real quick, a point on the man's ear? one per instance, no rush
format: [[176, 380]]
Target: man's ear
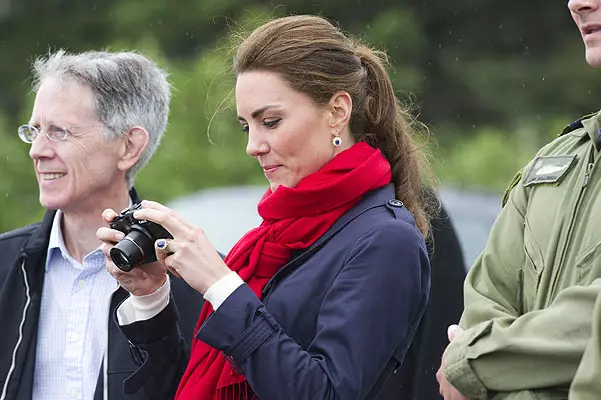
[[341, 108], [135, 141]]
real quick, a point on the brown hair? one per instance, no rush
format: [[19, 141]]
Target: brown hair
[[316, 58]]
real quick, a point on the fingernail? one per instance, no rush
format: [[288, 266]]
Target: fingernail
[[452, 328], [119, 235], [161, 244]]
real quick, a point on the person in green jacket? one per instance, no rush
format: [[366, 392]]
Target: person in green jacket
[[587, 383], [529, 297]]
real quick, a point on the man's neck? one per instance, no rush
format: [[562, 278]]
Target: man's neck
[[79, 226]]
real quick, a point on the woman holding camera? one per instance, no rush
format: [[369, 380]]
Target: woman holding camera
[[320, 301]]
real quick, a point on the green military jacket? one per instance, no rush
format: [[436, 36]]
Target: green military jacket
[[529, 297], [587, 382]]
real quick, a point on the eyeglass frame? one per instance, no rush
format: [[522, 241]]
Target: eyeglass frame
[[66, 132]]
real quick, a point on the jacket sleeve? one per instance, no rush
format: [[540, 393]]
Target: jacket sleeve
[[368, 315], [159, 348], [503, 350], [587, 382]]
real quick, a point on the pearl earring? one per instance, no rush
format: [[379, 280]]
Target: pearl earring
[[337, 141]]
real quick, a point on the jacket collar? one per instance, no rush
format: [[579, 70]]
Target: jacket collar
[[38, 242], [592, 126], [375, 198]]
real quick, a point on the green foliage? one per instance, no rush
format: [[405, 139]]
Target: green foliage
[[490, 157], [18, 185], [469, 161], [399, 34]]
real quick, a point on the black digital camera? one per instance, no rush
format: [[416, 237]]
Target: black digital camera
[[138, 245]]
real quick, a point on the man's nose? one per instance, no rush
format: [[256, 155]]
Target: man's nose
[[582, 6], [41, 147]]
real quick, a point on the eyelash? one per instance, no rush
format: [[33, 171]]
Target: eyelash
[[269, 124]]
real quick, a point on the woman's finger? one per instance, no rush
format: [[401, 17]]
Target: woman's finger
[[162, 245], [169, 264], [168, 246], [149, 204], [176, 225], [165, 249], [155, 205]]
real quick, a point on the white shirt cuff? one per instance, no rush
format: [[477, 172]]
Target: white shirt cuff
[[222, 289], [141, 308]]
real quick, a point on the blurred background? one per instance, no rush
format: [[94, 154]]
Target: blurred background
[[493, 80]]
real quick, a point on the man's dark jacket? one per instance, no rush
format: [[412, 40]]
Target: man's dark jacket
[[22, 265]]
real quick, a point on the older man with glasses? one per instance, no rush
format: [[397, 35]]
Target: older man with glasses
[[97, 119]]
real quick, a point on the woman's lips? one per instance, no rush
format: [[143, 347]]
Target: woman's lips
[[270, 170]]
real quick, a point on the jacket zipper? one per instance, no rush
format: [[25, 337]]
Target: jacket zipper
[[20, 339], [566, 244]]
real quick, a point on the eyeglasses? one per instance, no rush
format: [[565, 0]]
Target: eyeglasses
[[28, 133]]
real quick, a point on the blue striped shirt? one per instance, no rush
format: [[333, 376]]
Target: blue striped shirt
[[72, 335]]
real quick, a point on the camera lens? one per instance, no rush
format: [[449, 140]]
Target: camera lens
[[131, 251], [120, 259]]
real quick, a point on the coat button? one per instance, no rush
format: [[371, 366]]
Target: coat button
[[395, 203]]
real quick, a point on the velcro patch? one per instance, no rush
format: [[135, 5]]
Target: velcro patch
[[549, 169]]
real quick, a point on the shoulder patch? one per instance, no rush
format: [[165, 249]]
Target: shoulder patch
[[513, 184], [549, 169], [576, 124]]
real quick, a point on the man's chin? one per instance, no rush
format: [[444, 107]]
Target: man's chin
[[50, 202], [593, 57]]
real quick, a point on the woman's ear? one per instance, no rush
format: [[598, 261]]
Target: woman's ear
[[135, 141], [341, 108]]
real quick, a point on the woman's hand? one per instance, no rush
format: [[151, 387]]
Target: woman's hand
[[189, 254], [140, 281]]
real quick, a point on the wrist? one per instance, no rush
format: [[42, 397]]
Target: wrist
[[138, 308], [204, 287], [217, 293], [159, 285]]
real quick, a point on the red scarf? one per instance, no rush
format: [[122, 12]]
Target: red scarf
[[293, 219]]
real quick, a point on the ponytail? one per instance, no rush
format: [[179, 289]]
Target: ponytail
[[391, 128]]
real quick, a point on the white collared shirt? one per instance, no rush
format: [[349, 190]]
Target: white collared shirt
[[72, 333]]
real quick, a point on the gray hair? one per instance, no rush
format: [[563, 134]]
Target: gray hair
[[129, 90]]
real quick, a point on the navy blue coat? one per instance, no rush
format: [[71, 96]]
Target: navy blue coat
[[334, 322]]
